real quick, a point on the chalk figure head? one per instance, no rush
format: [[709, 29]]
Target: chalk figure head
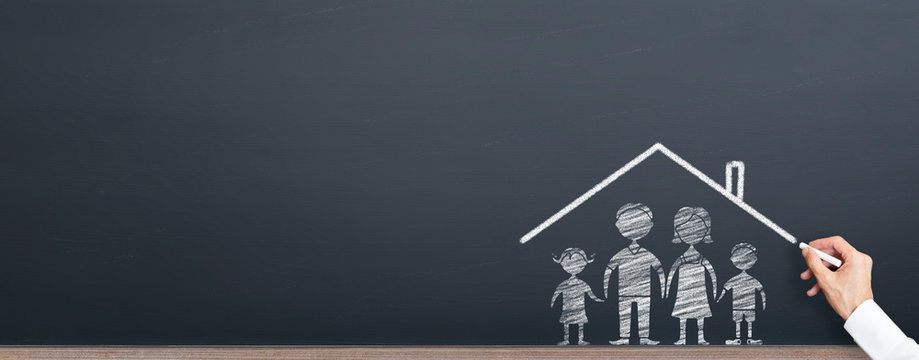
[[573, 260], [634, 221], [692, 225], [743, 256]]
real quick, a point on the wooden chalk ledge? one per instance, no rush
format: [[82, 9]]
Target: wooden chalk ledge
[[428, 352]]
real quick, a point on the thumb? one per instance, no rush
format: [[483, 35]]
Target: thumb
[[815, 264]]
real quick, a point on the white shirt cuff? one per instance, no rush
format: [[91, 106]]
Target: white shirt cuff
[[878, 335]]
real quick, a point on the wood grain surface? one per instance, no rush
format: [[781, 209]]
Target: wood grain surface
[[429, 352]]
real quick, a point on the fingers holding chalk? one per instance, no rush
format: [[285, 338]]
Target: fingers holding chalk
[[845, 287], [814, 263], [820, 254], [834, 245]]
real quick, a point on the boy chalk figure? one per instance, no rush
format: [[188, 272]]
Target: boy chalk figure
[[636, 267], [573, 290], [744, 288]]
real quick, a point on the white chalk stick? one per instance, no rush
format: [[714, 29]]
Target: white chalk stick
[[826, 257]]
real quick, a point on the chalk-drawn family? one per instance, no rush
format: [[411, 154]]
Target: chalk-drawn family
[[636, 266]]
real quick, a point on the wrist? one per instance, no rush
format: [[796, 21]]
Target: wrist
[[851, 307]]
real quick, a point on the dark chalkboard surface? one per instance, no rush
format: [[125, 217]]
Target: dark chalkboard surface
[[361, 172]]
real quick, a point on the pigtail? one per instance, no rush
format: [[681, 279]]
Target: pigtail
[[571, 252]]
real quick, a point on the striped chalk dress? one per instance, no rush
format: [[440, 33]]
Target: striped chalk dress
[[691, 293], [573, 292]]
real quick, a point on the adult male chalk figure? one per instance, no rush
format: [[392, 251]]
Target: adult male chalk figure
[[635, 264]]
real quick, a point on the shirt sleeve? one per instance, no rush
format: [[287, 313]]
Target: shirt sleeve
[[655, 262], [728, 285], [614, 261], [877, 334]]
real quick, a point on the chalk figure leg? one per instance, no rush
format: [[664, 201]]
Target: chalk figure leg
[[644, 321], [682, 340], [701, 322], [565, 340], [581, 335], [625, 321], [750, 339], [737, 334]]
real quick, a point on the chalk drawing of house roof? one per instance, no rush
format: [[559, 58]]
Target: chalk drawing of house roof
[[658, 147]]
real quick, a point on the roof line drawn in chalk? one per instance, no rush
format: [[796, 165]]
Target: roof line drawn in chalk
[[725, 191]]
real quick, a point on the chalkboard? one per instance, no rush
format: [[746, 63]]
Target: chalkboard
[[363, 172]]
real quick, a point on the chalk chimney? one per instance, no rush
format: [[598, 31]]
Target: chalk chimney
[[729, 178]]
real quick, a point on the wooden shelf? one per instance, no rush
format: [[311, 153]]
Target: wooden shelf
[[429, 352]]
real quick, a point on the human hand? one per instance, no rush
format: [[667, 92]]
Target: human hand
[[846, 287]]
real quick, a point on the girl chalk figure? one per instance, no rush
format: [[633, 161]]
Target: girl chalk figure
[[692, 225], [573, 261]]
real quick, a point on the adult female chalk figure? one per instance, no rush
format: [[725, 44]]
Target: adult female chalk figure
[[692, 225]]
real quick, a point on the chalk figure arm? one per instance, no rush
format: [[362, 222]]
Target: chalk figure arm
[[711, 272], [727, 286], [673, 270], [613, 264], [590, 293], [656, 265], [554, 296]]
